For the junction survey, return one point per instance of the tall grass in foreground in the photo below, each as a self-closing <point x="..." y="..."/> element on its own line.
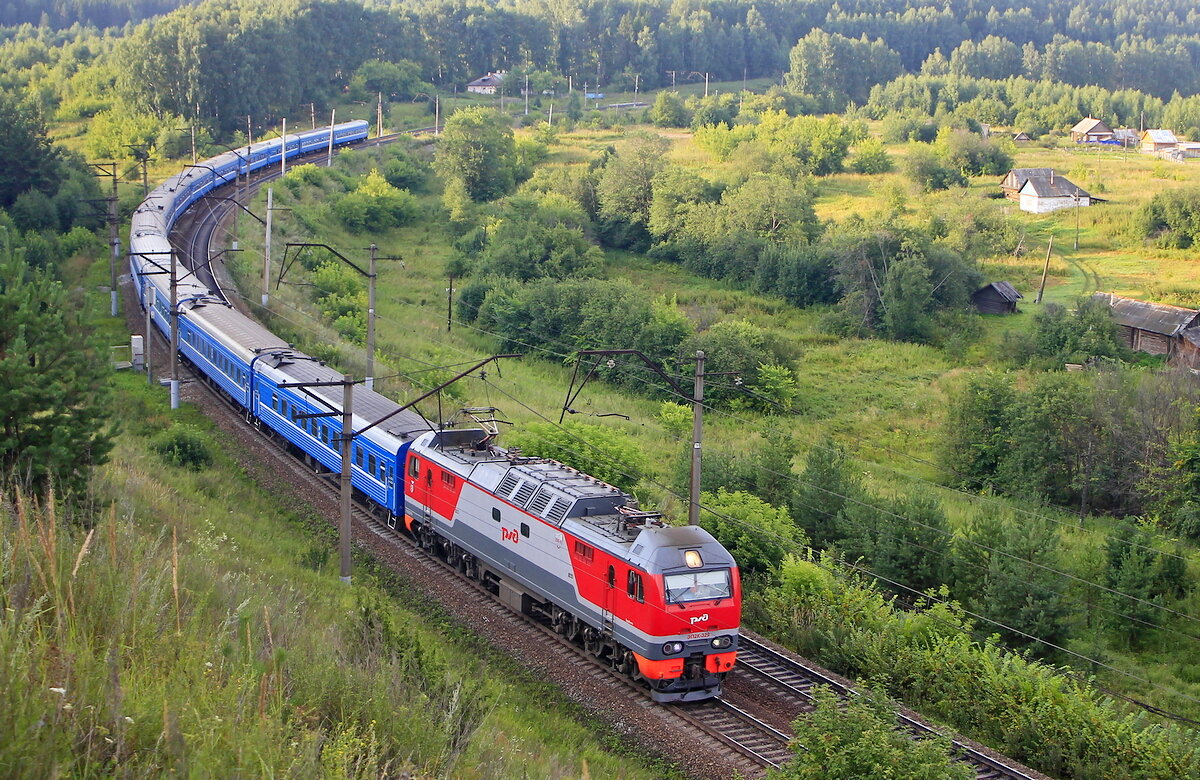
<point x="118" y="654"/>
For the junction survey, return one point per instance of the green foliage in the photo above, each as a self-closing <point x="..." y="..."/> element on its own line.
<point x="1087" y="333"/>
<point x="870" y="157"/>
<point x="930" y="171"/>
<point x="757" y="534"/>
<point x="477" y="148"/>
<point x="1171" y="218"/>
<point x="184" y="446"/>
<point x="972" y="154"/>
<point x="668" y="110"/>
<point x="399" y="80"/>
<point x="859" y="739"/>
<point x="31" y="161"/>
<point x="375" y="205"/>
<point x="738" y="346"/>
<point x="626" y="185"/>
<point x="606" y="453"/>
<point x="839" y="70"/>
<point x="1023" y="708"/>
<point x="54" y="383"/>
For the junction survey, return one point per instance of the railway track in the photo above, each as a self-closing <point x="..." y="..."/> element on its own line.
<point x="754" y="745"/>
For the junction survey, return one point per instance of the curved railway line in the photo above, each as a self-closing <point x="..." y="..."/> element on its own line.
<point x="746" y="730"/>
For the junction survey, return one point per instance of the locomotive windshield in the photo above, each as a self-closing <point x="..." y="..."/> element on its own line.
<point x="697" y="586"/>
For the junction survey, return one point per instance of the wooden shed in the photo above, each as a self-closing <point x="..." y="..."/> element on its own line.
<point x="1156" y="328"/>
<point x="1021" y="136"/>
<point x="996" y="298"/>
<point x="1090" y="130"/>
<point x="1189" y="349"/>
<point x="1012" y="183"/>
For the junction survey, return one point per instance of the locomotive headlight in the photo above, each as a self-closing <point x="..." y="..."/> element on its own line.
<point x="671" y="648"/>
<point x="721" y="642"/>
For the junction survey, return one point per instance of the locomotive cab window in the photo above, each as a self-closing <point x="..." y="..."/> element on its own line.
<point x="633" y="586"/>
<point x="697" y="586"/>
<point x="414" y="467"/>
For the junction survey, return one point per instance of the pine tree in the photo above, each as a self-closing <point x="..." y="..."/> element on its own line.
<point x="54" y="414"/>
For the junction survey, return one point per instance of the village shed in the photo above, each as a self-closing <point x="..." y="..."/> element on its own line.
<point x="1091" y="131"/>
<point x="1189" y="349"/>
<point x="1156" y="328"/>
<point x="1158" y="141"/>
<point x="1021" y="136"/>
<point x="996" y="298"/>
<point x="1012" y="183"/>
<point x="1042" y="194"/>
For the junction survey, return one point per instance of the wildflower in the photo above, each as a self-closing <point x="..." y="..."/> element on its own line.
<point x="59" y="691"/>
<point x="129" y="720"/>
<point x="208" y="664"/>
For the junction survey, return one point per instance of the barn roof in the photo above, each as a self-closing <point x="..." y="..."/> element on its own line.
<point x="1053" y="186"/>
<point x="1125" y="134"/>
<point x="1091" y="125"/>
<point x="1020" y="175"/>
<point x="1021" y="136"/>
<point x="490" y="80"/>
<point x="1192" y="336"/>
<point x="1160" y="136"/>
<point x="1004" y="289"/>
<point x="1144" y="315"/>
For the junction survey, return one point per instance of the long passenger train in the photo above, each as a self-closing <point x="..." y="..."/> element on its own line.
<point x="659" y="603"/>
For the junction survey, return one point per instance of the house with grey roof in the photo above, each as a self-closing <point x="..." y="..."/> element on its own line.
<point x="996" y="298"/>
<point x="1015" y="179"/>
<point x="1042" y="193"/>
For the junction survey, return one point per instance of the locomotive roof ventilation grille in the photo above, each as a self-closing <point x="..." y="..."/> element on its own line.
<point x="507" y="485"/>
<point x="559" y="510"/>
<point x="540" y="502"/>
<point x="524" y="493"/>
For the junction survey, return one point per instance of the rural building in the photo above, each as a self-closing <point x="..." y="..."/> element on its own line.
<point x="1189" y="148"/>
<point x="1045" y="193"/>
<point x="1021" y="136"/>
<point x="1013" y="182"/>
<point x="1126" y="136"/>
<point x="1189" y="349"/>
<point x="1158" y="141"/>
<point x="486" y="85"/>
<point x="1091" y="131"/>
<point x="1156" y="328"/>
<point x="996" y="298"/>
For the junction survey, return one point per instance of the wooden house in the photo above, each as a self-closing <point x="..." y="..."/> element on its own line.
<point x="1042" y="194"/>
<point x="1158" y="141"/>
<point x="1156" y="328"/>
<point x="1091" y="131"/>
<point x="1015" y="179"/>
<point x="1126" y="137"/>
<point x="1189" y="148"/>
<point x="486" y="85"/>
<point x="996" y="298"/>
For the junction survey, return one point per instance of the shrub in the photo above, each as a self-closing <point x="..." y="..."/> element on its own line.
<point x="184" y="446"/>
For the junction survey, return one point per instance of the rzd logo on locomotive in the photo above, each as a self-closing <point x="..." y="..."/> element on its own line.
<point x="509" y="536"/>
<point x="700" y="618"/>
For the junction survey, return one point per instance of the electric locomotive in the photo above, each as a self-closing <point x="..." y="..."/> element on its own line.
<point x="657" y="602"/>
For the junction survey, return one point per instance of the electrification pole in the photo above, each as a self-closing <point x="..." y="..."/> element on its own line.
<point x="332" y="122"/>
<point x="266" y="293"/>
<point x="697" y="438"/>
<point x="347" y="440"/>
<point x="174" y="357"/>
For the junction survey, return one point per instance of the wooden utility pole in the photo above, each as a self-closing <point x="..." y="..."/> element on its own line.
<point x="332" y="122"/>
<point x="379" y="117"/>
<point x="697" y="438"/>
<point x="1045" y="270"/>
<point x="450" y="305"/>
<point x="283" y="150"/>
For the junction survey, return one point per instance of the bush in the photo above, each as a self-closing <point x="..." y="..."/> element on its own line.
<point x="184" y="446"/>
